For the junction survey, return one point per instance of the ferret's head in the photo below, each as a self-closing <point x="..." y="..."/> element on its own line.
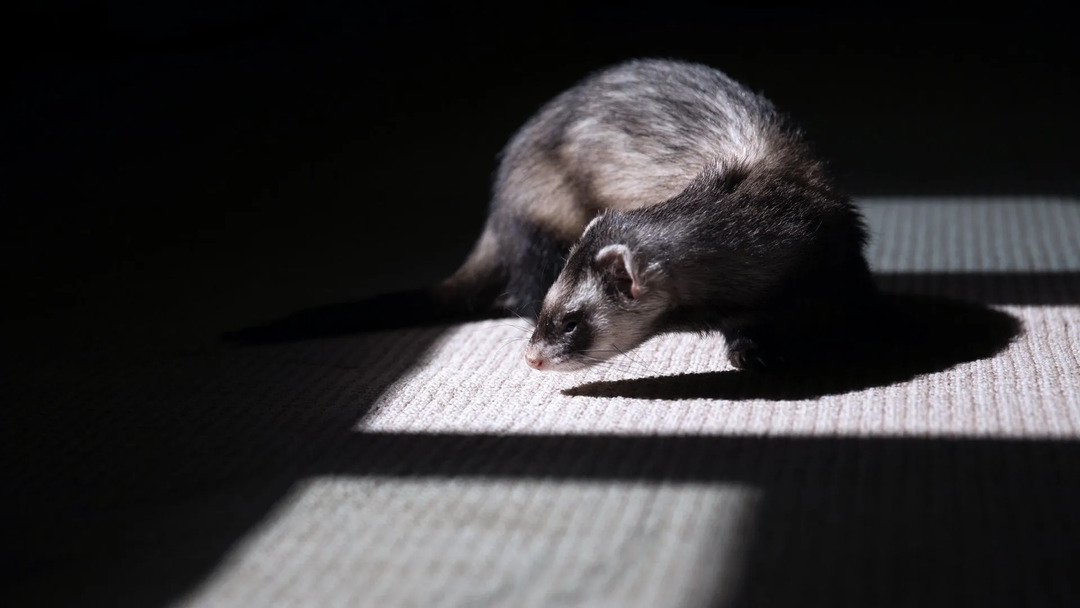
<point x="605" y="302"/>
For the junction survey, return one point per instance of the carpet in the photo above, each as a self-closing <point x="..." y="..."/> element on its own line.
<point x="432" y="467"/>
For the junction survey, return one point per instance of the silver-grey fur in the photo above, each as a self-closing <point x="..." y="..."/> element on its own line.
<point x="705" y="210"/>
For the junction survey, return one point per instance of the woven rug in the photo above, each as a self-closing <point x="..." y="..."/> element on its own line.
<point x="432" y="467"/>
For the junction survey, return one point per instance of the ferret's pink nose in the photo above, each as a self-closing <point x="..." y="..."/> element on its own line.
<point x="534" y="361"/>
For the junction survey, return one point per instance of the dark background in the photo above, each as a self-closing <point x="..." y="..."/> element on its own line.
<point x="173" y="172"/>
<point x="350" y="147"/>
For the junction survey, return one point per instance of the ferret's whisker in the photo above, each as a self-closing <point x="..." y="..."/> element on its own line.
<point x="628" y="362"/>
<point x="605" y="363"/>
<point x="514" y="340"/>
<point x="633" y="360"/>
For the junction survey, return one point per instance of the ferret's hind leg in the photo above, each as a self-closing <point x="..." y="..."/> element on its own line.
<point x="535" y="257"/>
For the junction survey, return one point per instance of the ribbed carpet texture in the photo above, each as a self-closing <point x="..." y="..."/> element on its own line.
<point x="431" y="467"/>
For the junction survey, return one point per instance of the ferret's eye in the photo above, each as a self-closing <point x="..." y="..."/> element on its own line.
<point x="570" y="322"/>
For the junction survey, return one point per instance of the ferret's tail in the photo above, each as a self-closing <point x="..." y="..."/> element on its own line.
<point x="471" y="293"/>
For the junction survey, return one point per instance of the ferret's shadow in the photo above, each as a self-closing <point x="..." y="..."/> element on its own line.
<point x="909" y="336"/>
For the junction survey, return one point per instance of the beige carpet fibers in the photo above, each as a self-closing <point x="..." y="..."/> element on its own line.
<point x="431" y="467"/>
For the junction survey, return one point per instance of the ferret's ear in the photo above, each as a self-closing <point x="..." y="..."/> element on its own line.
<point x="622" y="267"/>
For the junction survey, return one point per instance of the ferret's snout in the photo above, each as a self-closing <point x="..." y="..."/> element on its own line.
<point x="533" y="358"/>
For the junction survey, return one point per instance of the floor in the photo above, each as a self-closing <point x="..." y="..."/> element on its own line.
<point x="163" y="187"/>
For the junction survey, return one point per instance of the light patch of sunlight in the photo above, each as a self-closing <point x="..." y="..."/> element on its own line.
<point x="466" y="386"/>
<point x="973" y="234"/>
<point x="341" y="541"/>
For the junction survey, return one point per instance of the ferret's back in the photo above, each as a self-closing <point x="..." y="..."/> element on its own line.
<point x="638" y="133"/>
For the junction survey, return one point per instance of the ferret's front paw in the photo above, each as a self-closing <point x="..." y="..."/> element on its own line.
<point x="745" y="354"/>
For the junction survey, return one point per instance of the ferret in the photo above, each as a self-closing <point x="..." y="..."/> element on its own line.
<point x="659" y="195"/>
